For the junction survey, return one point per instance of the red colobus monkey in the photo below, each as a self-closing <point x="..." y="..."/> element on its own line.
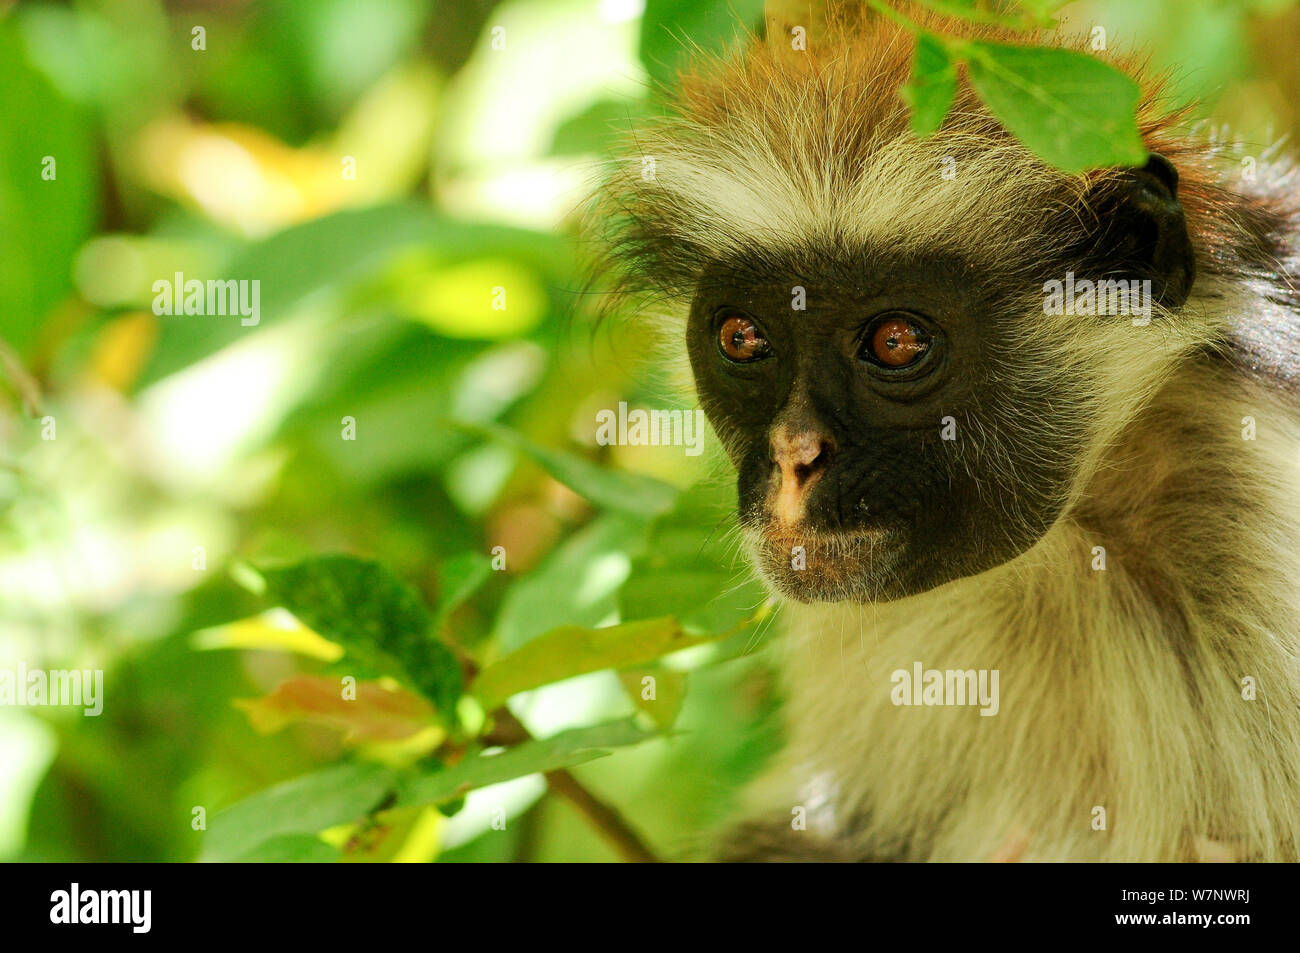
<point x="1099" y="512"/>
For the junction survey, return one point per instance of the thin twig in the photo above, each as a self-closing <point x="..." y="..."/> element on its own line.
<point x="606" y="819"/>
<point x="28" y="390"/>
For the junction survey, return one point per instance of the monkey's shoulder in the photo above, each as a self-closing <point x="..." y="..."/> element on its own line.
<point x="1266" y="346"/>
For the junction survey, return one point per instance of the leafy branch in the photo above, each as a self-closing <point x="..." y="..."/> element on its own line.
<point x="434" y="713"/>
<point x="1072" y="110"/>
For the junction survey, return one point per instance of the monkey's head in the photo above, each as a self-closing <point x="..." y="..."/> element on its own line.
<point x="871" y="325"/>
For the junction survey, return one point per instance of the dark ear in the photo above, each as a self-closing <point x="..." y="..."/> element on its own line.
<point x="1145" y="231"/>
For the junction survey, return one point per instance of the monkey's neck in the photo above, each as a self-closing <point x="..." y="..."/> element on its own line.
<point x="1147" y="655"/>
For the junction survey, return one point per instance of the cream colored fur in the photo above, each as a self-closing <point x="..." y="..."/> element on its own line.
<point x="1120" y="689"/>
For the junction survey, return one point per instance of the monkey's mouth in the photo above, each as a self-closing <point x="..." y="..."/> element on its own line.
<point x="820" y="565"/>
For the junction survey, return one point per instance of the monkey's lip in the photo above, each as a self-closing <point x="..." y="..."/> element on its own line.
<point x="794" y="536"/>
<point x="827" y="565"/>
<point x="826" y="550"/>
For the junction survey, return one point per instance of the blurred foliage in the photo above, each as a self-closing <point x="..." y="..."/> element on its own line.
<point x="410" y="469"/>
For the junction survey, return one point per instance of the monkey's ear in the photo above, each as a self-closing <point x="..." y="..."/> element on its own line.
<point x="1147" y="232"/>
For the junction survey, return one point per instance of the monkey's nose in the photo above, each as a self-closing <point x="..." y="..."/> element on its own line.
<point x="801" y="457"/>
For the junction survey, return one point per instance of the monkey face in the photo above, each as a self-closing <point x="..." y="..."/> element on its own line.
<point x="889" y="430"/>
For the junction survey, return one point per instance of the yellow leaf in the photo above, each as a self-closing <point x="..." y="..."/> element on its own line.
<point x="237" y="175"/>
<point x="121" y="349"/>
<point x="276" y="629"/>
<point x="480" y="298"/>
<point x="401" y="836"/>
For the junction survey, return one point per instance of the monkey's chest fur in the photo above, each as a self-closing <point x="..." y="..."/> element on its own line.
<point x="1147" y="711"/>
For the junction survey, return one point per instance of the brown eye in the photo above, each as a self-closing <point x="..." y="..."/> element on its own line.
<point x="896" y="341"/>
<point x="740" y="340"/>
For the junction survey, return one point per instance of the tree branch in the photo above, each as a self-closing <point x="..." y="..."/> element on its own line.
<point x="607" y="820"/>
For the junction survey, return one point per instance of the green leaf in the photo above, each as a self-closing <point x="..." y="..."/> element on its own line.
<point x="577" y="584"/>
<point x="1036" y="11"/>
<point x="291" y="849"/>
<point x="393" y="378"/>
<point x="376" y="617"/>
<point x="670" y="29"/>
<point x="44" y="221"/>
<point x="599" y="128"/>
<point x="609" y="489"/>
<point x="383" y="838"/>
<point x="291" y="264"/>
<point x="572" y="650"/>
<point x="669" y="693"/>
<point x="305" y="805"/>
<point x="1072" y="111"/>
<point x="564" y="750"/>
<point x="339" y="250"/>
<point x="933" y="85"/>
<point x="458" y="579"/>
<point x="1043" y="10"/>
<point x="691" y="567"/>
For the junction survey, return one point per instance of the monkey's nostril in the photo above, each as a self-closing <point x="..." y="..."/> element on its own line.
<point x="801" y="457"/>
<point x="819" y="461"/>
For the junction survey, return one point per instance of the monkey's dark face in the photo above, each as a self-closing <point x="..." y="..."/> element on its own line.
<point x="874" y="431"/>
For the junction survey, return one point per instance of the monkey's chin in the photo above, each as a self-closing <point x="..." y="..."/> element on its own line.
<point x="848" y="566"/>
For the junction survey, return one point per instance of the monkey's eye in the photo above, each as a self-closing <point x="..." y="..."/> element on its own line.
<point x="895" y="341"/>
<point x="740" y="340"/>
